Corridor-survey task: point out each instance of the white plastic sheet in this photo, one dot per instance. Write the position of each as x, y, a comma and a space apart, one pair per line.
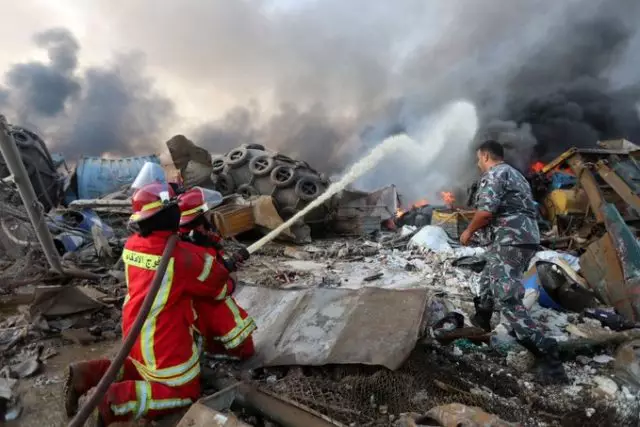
434, 238
431, 237
553, 256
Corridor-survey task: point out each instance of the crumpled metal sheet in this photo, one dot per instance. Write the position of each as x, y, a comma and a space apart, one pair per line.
382, 203
318, 326
54, 301
611, 265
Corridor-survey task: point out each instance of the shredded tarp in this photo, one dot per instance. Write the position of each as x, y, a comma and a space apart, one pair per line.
368, 326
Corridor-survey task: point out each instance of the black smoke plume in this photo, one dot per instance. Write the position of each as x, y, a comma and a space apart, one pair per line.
111, 109
566, 94
325, 81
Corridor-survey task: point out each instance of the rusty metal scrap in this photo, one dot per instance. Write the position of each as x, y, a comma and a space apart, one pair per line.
283, 411
619, 185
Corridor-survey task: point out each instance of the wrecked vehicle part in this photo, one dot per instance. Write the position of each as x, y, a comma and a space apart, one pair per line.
611, 265
15, 164
625, 241
620, 185
46, 181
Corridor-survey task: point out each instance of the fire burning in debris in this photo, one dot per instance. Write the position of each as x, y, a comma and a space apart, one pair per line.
448, 197
537, 167
415, 205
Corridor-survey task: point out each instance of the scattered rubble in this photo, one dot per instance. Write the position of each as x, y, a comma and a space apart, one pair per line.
364, 310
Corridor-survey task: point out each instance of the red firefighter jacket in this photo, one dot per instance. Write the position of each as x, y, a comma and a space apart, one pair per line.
165, 351
225, 284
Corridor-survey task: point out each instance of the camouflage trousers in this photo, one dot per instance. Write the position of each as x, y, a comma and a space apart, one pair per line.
501, 289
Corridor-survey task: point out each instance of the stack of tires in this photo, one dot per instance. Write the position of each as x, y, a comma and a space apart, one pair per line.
250, 170
46, 181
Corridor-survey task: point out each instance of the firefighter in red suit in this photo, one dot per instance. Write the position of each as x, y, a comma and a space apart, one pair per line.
162, 371
225, 327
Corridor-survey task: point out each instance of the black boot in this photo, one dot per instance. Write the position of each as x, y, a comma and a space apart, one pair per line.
549, 368
482, 317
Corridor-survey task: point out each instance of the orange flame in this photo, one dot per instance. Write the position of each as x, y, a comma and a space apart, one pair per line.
537, 167
420, 203
415, 205
448, 197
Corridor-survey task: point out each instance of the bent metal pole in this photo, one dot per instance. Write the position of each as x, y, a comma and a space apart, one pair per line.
14, 162
129, 340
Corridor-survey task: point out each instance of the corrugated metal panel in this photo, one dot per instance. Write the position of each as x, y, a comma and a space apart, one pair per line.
334, 326
98, 177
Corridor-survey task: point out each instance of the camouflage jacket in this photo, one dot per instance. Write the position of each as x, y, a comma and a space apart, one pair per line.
505, 193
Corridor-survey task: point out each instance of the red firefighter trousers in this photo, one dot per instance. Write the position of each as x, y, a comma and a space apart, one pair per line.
131, 397
225, 327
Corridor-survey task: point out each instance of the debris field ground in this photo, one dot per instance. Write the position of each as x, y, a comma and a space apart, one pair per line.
48, 321
434, 374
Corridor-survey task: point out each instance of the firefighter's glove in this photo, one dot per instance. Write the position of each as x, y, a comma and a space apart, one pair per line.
234, 260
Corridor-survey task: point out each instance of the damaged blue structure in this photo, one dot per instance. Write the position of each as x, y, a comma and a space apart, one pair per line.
95, 177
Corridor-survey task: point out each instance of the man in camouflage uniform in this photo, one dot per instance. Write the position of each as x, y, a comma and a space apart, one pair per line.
505, 204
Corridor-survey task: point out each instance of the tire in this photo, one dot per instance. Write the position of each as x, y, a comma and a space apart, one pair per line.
255, 147
247, 191
217, 164
261, 165
283, 176
237, 157
288, 212
307, 188
225, 184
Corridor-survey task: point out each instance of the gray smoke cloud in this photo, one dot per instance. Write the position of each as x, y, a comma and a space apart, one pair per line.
326, 80
543, 78
112, 108
44, 89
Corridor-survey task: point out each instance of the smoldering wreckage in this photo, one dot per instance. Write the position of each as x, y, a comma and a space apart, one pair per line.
362, 308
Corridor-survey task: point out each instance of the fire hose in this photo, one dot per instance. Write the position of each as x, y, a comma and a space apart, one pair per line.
230, 261
127, 344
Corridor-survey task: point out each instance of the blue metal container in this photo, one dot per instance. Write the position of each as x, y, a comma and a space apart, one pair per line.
532, 281
97, 177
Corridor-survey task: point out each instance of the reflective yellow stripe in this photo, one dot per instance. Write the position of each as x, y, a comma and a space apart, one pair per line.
126, 280
152, 205
161, 404
202, 208
143, 391
171, 371
237, 319
243, 328
149, 327
175, 381
146, 402
206, 270
125, 408
140, 260
157, 204
248, 330
223, 293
